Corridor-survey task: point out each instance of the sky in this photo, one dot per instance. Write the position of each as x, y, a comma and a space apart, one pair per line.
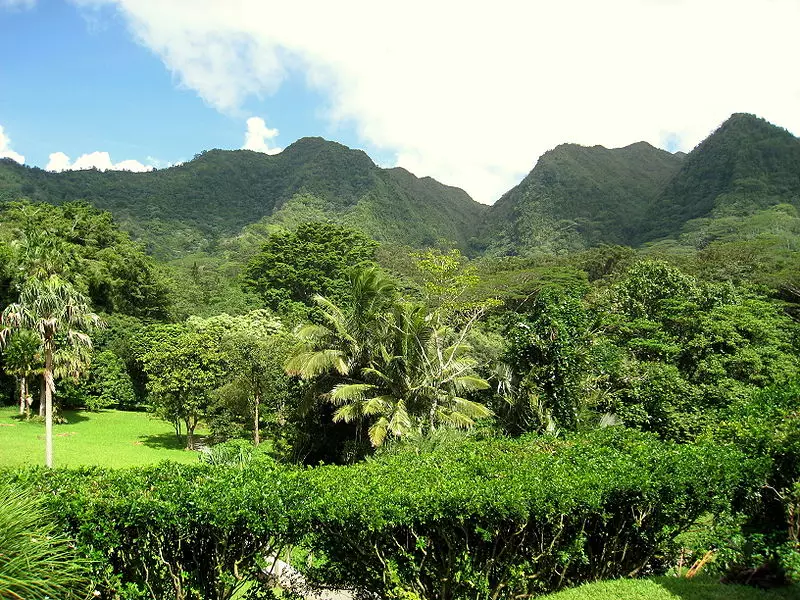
470, 93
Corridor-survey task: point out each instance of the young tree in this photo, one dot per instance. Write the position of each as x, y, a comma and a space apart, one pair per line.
255, 349
62, 319
183, 367
23, 358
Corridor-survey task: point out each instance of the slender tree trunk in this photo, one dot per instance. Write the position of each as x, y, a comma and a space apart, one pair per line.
256, 432
28, 400
48, 411
42, 401
21, 396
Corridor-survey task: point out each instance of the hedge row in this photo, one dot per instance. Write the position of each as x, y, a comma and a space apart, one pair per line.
484, 519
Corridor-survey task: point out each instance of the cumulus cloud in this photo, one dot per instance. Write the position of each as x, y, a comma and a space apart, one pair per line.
472, 93
94, 160
258, 136
5, 148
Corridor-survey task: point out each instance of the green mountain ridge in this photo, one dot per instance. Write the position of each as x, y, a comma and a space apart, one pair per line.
191, 207
577, 196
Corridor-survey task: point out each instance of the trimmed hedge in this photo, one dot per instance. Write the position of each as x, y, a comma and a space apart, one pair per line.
486, 519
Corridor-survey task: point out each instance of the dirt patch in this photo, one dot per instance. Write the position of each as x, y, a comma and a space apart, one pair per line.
8, 424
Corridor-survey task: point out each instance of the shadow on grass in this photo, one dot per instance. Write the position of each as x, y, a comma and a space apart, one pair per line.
707, 589
74, 416
162, 441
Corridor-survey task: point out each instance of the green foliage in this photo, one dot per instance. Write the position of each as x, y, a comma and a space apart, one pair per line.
548, 359
36, 559
192, 207
506, 518
313, 259
86, 248
109, 383
688, 347
183, 369
388, 364
473, 520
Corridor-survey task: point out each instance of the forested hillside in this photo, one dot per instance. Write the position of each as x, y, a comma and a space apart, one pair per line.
188, 208
746, 165
577, 197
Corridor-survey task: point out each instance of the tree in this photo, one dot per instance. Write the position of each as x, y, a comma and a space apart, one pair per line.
256, 349
86, 248
62, 319
388, 363
313, 259
23, 358
183, 368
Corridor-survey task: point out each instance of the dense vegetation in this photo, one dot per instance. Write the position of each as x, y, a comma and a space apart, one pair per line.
191, 207
407, 422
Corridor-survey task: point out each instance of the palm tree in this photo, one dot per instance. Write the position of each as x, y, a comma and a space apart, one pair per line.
23, 358
389, 363
416, 381
60, 316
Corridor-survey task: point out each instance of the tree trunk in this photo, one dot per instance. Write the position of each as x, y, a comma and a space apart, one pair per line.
27, 398
42, 401
21, 396
256, 432
190, 425
48, 411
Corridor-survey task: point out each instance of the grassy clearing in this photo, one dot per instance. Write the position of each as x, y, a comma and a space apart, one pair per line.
110, 438
671, 588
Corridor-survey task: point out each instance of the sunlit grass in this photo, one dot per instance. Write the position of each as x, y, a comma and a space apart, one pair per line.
671, 588
110, 438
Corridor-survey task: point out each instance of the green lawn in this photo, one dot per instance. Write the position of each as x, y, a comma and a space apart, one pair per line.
671, 588
110, 438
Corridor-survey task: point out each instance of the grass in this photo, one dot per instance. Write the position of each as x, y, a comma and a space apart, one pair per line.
110, 438
671, 588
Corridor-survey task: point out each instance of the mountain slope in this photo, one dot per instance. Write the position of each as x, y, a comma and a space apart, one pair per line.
746, 165
192, 206
577, 197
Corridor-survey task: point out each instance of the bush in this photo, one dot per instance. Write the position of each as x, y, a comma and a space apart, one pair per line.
477, 520
500, 518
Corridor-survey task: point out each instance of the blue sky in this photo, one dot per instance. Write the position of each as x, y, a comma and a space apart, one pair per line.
74, 80
469, 93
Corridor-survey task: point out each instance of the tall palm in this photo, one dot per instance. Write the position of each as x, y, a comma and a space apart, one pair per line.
61, 317
23, 358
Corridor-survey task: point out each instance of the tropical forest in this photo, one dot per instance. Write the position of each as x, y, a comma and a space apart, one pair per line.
302, 375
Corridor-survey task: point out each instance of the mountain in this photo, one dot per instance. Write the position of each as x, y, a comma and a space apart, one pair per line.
745, 166
578, 196
192, 206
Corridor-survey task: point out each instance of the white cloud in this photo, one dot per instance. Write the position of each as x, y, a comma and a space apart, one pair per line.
258, 136
472, 93
94, 160
5, 148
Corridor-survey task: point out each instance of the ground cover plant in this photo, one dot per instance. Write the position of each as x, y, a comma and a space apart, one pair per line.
109, 438
671, 588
